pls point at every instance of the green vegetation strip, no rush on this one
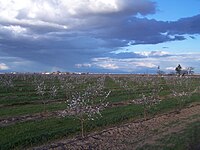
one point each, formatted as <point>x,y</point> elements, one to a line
<point>37,132</point>
<point>188,139</point>
<point>174,103</point>
<point>30,109</point>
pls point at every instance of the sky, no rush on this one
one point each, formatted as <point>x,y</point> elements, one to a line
<point>99,36</point>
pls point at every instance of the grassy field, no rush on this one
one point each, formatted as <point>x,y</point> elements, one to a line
<point>130,99</point>
<point>188,138</point>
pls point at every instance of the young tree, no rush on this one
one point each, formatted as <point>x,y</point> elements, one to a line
<point>87,104</point>
<point>151,97</point>
<point>53,91</point>
<point>66,86</point>
<point>6,81</point>
<point>150,101</point>
<point>181,89</point>
<point>41,90</point>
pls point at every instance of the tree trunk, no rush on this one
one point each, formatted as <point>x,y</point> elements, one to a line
<point>145,114</point>
<point>82,128</point>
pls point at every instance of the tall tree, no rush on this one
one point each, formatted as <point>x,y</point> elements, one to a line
<point>178,69</point>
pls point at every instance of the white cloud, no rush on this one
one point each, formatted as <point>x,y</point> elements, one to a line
<point>52,10</point>
<point>170,68</point>
<point>145,64</point>
<point>108,66</point>
<point>127,65</point>
<point>153,53</point>
<point>3,66</point>
<point>83,65</point>
<point>19,64</point>
<point>15,30</point>
<point>167,63</point>
<point>66,13</point>
<point>77,7</point>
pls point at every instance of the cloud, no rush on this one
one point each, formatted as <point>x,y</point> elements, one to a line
<point>112,19</point>
<point>126,64</point>
<point>8,63</point>
<point>190,25</point>
<point>13,29</point>
<point>3,66</point>
<point>68,13</point>
<point>83,65</point>
<point>153,53</point>
<point>170,68</point>
<point>145,64</point>
<point>149,62</point>
<point>144,54</point>
<point>109,66</point>
<point>70,34</point>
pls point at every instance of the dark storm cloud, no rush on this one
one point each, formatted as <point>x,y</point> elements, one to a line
<point>189,25</point>
<point>63,35</point>
<point>145,31</point>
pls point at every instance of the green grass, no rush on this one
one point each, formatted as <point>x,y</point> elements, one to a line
<point>173,104</point>
<point>26,134</point>
<point>30,109</point>
<point>188,139</point>
<point>22,135</point>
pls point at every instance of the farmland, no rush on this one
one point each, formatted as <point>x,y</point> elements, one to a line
<point>124,111</point>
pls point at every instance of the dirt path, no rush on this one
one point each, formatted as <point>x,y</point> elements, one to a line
<point>132,135</point>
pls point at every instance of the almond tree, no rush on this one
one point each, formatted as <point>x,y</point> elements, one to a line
<point>181,89</point>
<point>148,100</point>
<point>87,104</point>
<point>41,90</point>
<point>53,91</point>
<point>6,81</point>
<point>66,86</point>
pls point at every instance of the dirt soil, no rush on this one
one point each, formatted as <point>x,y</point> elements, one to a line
<point>131,135</point>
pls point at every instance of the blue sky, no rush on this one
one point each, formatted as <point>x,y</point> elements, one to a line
<point>172,10</point>
<point>116,36</point>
